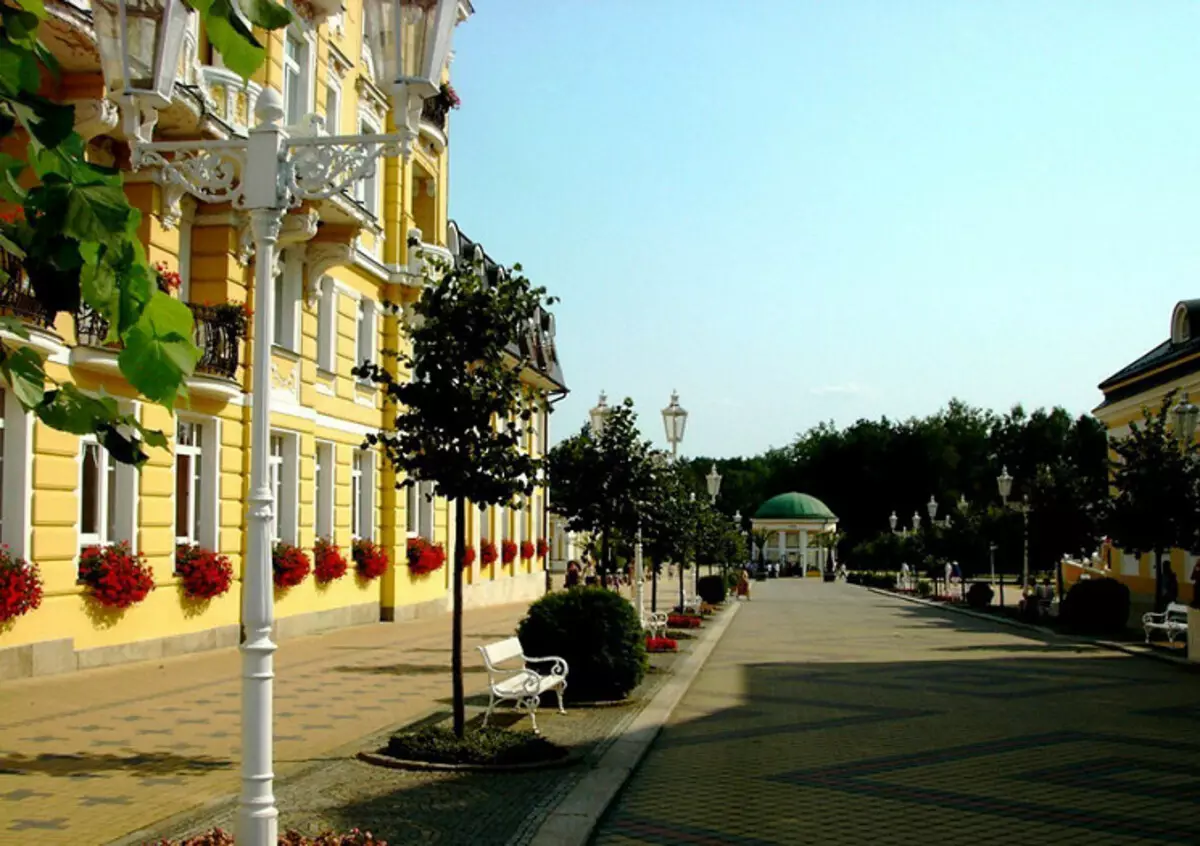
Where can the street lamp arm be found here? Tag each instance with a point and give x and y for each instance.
(211, 171)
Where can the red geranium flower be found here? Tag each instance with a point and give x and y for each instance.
(20, 586)
(488, 553)
(168, 280)
(370, 558)
(204, 574)
(291, 565)
(328, 562)
(683, 621)
(542, 548)
(424, 557)
(661, 644)
(469, 556)
(508, 551)
(118, 578)
(526, 550)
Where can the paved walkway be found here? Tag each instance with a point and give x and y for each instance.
(830, 715)
(89, 757)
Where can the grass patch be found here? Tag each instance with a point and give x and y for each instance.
(491, 745)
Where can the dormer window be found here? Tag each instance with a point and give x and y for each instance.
(1181, 324)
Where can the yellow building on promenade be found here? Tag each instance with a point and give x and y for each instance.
(1173, 365)
(340, 260)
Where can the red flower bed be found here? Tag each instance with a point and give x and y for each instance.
(116, 576)
(488, 554)
(683, 621)
(661, 644)
(469, 556)
(328, 562)
(20, 586)
(526, 550)
(542, 548)
(291, 565)
(370, 559)
(220, 837)
(203, 573)
(424, 557)
(508, 552)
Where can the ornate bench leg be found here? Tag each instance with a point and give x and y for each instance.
(560, 690)
(531, 706)
(488, 712)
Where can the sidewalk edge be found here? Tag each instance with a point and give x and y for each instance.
(572, 822)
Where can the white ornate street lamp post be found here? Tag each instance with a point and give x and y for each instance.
(598, 416)
(674, 421)
(1004, 483)
(267, 174)
(1186, 414)
(713, 480)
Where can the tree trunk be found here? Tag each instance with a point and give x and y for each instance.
(653, 584)
(602, 564)
(456, 666)
(1159, 605)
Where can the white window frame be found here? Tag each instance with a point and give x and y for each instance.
(365, 334)
(325, 479)
(16, 473)
(288, 284)
(283, 476)
(412, 510)
(123, 499)
(333, 101)
(327, 322)
(303, 67)
(362, 494)
(368, 191)
(427, 503)
(207, 460)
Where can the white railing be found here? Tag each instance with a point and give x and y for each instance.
(233, 98)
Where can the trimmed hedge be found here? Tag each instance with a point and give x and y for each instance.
(980, 594)
(1096, 606)
(711, 589)
(597, 632)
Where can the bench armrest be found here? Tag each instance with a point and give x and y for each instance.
(532, 679)
(1154, 617)
(558, 668)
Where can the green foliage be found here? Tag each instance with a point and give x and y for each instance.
(924, 588)
(599, 635)
(491, 745)
(77, 239)
(979, 595)
(711, 589)
(1096, 606)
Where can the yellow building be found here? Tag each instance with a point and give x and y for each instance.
(340, 260)
(1173, 365)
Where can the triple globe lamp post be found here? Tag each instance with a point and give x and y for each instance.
(267, 173)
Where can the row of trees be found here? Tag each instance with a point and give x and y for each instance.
(612, 484)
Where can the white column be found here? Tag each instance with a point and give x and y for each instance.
(639, 583)
(804, 550)
(781, 540)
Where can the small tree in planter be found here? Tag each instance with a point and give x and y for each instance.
(203, 574)
(117, 577)
(20, 586)
(464, 412)
(328, 562)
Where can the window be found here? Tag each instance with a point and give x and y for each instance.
(324, 478)
(296, 93)
(189, 482)
(3, 479)
(426, 503)
(327, 326)
(362, 495)
(365, 334)
(98, 496)
(287, 296)
(368, 188)
(485, 524)
(413, 510)
(16, 470)
(275, 475)
(356, 497)
(333, 103)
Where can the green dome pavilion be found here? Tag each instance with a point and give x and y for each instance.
(794, 506)
(790, 521)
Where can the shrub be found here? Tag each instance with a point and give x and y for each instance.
(370, 559)
(328, 562)
(597, 632)
(20, 586)
(711, 589)
(491, 745)
(1096, 606)
(220, 837)
(291, 565)
(203, 573)
(118, 578)
(731, 580)
(980, 594)
(924, 588)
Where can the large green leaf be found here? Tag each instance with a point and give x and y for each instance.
(69, 410)
(266, 14)
(96, 212)
(22, 369)
(33, 6)
(11, 169)
(49, 123)
(98, 279)
(159, 354)
(231, 35)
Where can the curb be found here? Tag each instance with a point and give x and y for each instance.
(1116, 646)
(574, 819)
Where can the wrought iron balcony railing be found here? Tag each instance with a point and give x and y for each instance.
(434, 111)
(16, 294)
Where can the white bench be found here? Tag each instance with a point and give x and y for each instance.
(654, 622)
(1173, 622)
(691, 605)
(522, 685)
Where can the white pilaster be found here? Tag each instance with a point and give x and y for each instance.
(804, 550)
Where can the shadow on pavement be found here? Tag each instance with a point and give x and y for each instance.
(80, 766)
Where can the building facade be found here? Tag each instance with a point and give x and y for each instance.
(1173, 365)
(340, 261)
(793, 524)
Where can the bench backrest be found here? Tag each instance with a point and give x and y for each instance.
(1177, 610)
(501, 651)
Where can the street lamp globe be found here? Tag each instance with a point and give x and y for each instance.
(893, 520)
(963, 505)
(139, 42)
(598, 416)
(737, 519)
(1004, 483)
(916, 522)
(674, 420)
(1186, 414)
(714, 483)
(932, 507)
(418, 60)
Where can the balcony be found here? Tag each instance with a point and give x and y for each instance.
(17, 298)
(434, 112)
(217, 332)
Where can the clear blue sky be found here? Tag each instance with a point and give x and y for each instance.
(803, 210)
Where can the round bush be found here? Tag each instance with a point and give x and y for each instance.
(980, 594)
(924, 588)
(711, 589)
(598, 633)
(1096, 606)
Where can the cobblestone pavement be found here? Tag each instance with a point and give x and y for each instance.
(449, 809)
(831, 715)
(88, 757)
